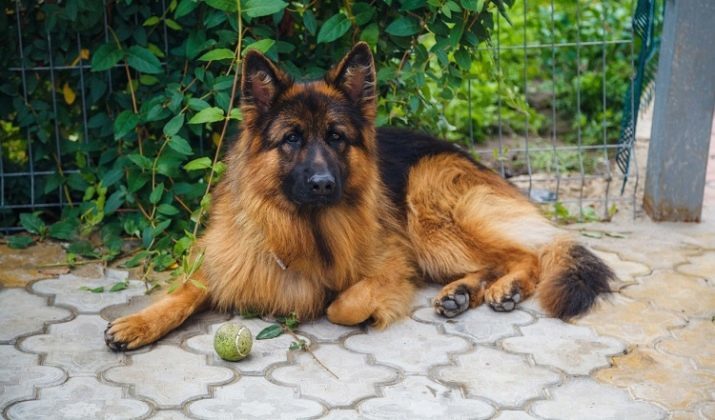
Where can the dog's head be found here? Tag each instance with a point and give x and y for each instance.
(313, 143)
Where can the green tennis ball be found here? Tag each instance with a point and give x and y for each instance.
(233, 341)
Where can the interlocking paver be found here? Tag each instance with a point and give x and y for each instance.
(356, 379)
(76, 346)
(504, 378)
(169, 415)
(680, 293)
(420, 398)
(574, 349)
(80, 398)
(634, 322)
(481, 324)
(324, 330)
(670, 380)
(404, 345)
(341, 414)
(169, 375)
(67, 291)
(626, 271)
(263, 354)
(254, 398)
(696, 341)
(585, 399)
(16, 306)
(514, 415)
(20, 373)
(700, 266)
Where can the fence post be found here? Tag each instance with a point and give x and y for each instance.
(683, 112)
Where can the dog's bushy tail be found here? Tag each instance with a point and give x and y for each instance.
(571, 278)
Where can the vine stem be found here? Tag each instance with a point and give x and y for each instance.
(307, 349)
(227, 119)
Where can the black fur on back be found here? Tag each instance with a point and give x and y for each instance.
(584, 279)
(399, 150)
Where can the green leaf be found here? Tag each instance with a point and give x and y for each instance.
(64, 230)
(207, 115)
(217, 54)
(172, 24)
(19, 241)
(463, 59)
(309, 22)
(271, 331)
(143, 60)
(83, 248)
(167, 210)
(198, 164)
(333, 28)
(263, 46)
(258, 8)
(156, 193)
(33, 224)
(126, 122)
(141, 161)
(403, 26)
(99, 289)
(174, 125)
(225, 5)
(185, 7)
(248, 314)
(180, 145)
(370, 34)
(151, 21)
(198, 284)
(106, 57)
(119, 286)
(111, 177)
(114, 202)
(136, 260)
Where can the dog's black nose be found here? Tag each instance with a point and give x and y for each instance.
(322, 183)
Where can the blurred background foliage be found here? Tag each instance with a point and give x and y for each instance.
(127, 125)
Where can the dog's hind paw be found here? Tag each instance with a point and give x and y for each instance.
(452, 304)
(504, 302)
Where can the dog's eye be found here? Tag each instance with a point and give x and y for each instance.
(292, 138)
(334, 137)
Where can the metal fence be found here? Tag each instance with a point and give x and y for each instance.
(582, 187)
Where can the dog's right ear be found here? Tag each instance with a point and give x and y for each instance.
(261, 82)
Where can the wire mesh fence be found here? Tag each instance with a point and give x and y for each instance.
(559, 96)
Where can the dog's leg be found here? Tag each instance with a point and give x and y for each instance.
(460, 295)
(152, 323)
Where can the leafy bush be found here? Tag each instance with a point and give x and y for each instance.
(157, 89)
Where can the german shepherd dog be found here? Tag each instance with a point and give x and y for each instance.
(320, 212)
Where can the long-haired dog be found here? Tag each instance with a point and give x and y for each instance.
(320, 212)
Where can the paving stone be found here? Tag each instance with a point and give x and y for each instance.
(80, 398)
(20, 374)
(694, 341)
(700, 266)
(168, 375)
(324, 330)
(574, 349)
(133, 305)
(635, 322)
(76, 346)
(626, 271)
(514, 415)
(169, 415)
(196, 324)
(683, 294)
(417, 397)
(254, 398)
(669, 380)
(707, 410)
(481, 324)
(263, 353)
(504, 378)
(356, 379)
(425, 294)
(585, 399)
(21, 266)
(67, 291)
(15, 307)
(341, 414)
(405, 345)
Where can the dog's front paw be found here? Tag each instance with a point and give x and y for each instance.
(128, 333)
(452, 303)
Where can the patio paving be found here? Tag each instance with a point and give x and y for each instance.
(645, 353)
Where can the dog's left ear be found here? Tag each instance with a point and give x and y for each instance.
(355, 75)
